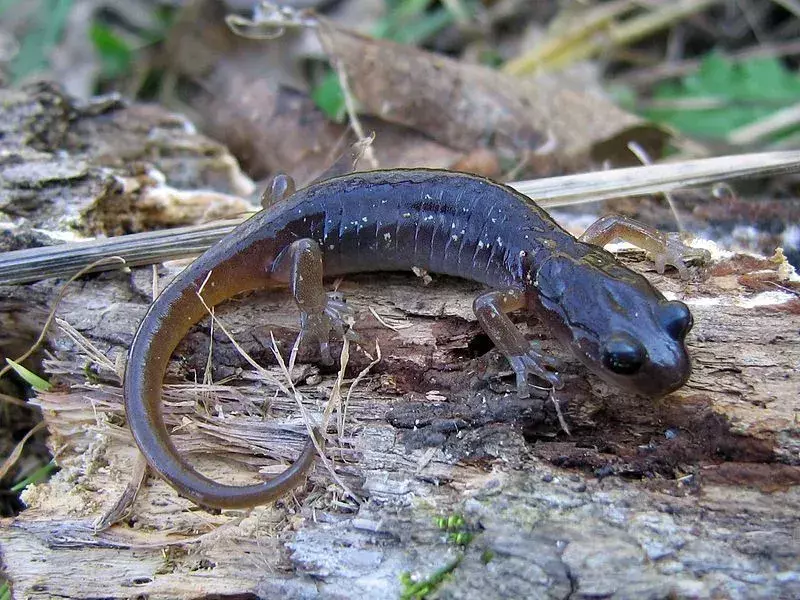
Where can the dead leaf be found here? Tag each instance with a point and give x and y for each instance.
(466, 106)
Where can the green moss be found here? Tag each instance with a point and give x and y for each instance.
(418, 590)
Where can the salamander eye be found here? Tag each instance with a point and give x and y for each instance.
(623, 355)
(676, 319)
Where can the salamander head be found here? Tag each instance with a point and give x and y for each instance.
(615, 322)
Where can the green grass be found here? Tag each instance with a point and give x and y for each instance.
(39, 475)
(44, 33)
(31, 378)
(726, 95)
(117, 52)
(413, 21)
(458, 533)
(116, 55)
(329, 97)
(408, 22)
(418, 590)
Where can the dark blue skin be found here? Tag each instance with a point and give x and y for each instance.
(611, 318)
(607, 315)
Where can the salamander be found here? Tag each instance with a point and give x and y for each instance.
(613, 320)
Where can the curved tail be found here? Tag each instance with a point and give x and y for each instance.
(167, 321)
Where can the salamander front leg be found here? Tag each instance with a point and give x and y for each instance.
(491, 309)
(666, 249)
(300, 265)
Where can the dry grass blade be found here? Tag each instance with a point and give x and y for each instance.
(335, 400)
(402, 324)
(63, 260)
(352, 112)
(98, 263)
(652, 179)
(793, 6)
(597, 32)
(299, 399)
(89, 349)
(122, 506)
(290, 391)
(563, 40)
(561, 420)
(756, 132)
(236, 345)
(641, 154)
(16, 401)
(17, 451)
(23, 266)
(649, 76)
(355, 382)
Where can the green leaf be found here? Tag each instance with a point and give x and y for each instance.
(41, 38)
(31, 378)
(724, 95)
(328, 96)
(6, 4)
(115, 55)
(40, 474)
(408, 22)
(426, 28)
(411, 22)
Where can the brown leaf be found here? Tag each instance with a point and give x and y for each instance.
(464, 105)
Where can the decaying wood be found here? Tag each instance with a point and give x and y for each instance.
(695, 495)
(692, 496)
(103, 167)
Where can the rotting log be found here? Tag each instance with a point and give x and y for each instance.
(694, 495)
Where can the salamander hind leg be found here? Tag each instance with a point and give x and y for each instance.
(300, 265)
(665, 248)
(491, 309)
